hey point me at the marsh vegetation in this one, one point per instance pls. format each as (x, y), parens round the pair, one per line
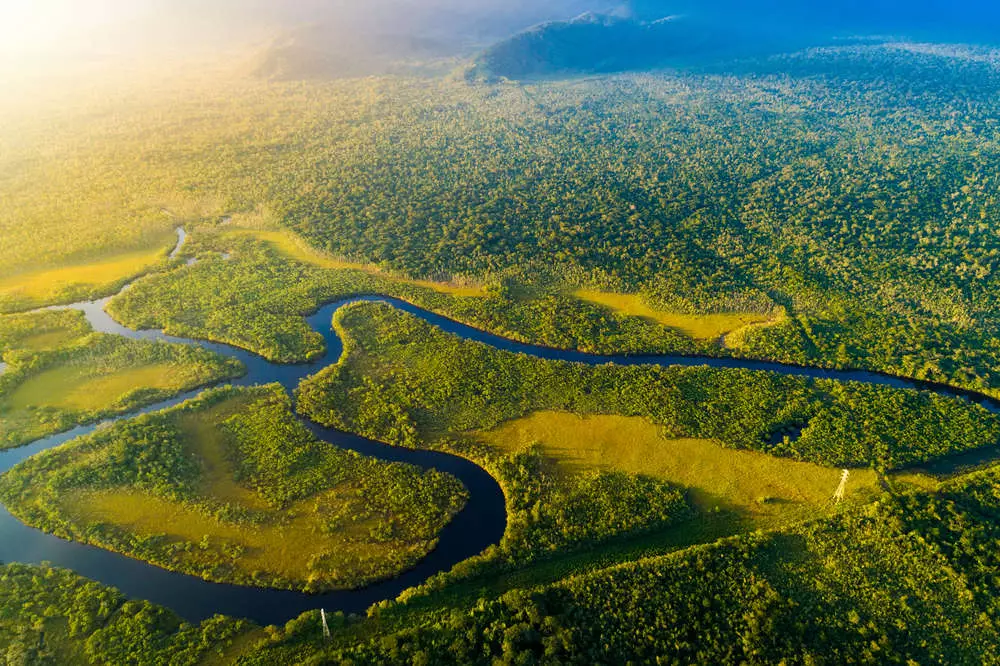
(232, 488)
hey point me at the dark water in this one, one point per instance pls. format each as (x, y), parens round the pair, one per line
(479, 525)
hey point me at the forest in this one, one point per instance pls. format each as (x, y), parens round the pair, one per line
(407, 383)
(823, 194)
(53, 617)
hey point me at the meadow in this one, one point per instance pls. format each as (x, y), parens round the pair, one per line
(291, 247)
(697, 326)
(232, 488)
(66, 284)
(765, 490)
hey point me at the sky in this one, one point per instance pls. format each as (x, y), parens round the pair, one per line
(34, 28)
(30, 29)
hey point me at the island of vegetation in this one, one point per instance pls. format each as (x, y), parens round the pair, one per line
(587, 453)
(232, 488)
(61, 374)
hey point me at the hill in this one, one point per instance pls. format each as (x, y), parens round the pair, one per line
(598, 43)
(326, 51)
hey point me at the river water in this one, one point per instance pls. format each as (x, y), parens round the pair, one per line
(481, 523)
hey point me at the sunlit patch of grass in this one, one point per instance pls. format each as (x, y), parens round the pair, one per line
(697, 326)
(204, 440)
(285, 544)
(49, 340)
(921, 481)
(49, 283)
(766, 489)
(89, 388)
(294, 248)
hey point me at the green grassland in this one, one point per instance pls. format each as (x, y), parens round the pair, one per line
(291, 247)
(231, 488)
(61, 374)
(66, 284)
(698, 326)
(765, 490)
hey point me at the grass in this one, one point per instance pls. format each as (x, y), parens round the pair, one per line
(49, 340)
(699, 326)
(204, 441)
(283, 546)
(49, 284)
(89, 388)
(292, 247)
(762, 488)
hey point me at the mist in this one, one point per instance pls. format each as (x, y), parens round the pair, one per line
(311, 38)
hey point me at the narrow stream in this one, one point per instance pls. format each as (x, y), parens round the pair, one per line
(481, 523)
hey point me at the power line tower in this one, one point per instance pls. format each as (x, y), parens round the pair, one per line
(326, 627)
(839, 495)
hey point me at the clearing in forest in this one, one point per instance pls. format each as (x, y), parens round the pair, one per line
(294, 248)
(697, 326)
(48, 284)
(88, 388)
(764, 488)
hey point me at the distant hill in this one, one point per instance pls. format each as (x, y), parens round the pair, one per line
(641, 34)
(617, 42)
(341, 39)
(322, 52)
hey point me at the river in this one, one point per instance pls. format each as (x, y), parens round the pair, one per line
(480, 524)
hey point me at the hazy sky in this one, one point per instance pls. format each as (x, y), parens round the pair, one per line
(29, 28)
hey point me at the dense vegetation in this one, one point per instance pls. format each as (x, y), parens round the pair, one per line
(849, 185)
(868, 586)
(60, 374)
(843, 196)
(403, 378)
(54, 617)
(256, 300)
(232, 488)
(41, 331)
(404, 382)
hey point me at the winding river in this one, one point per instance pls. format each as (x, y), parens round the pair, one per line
(481, 523)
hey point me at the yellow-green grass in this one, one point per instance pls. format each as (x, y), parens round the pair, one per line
(697, 326)
(282, 546)
(765, 489)
(87, 388)
(917, 480)
(206, 442)
(294, 248)
(49, 283)
(49, 340)
(287, 541)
